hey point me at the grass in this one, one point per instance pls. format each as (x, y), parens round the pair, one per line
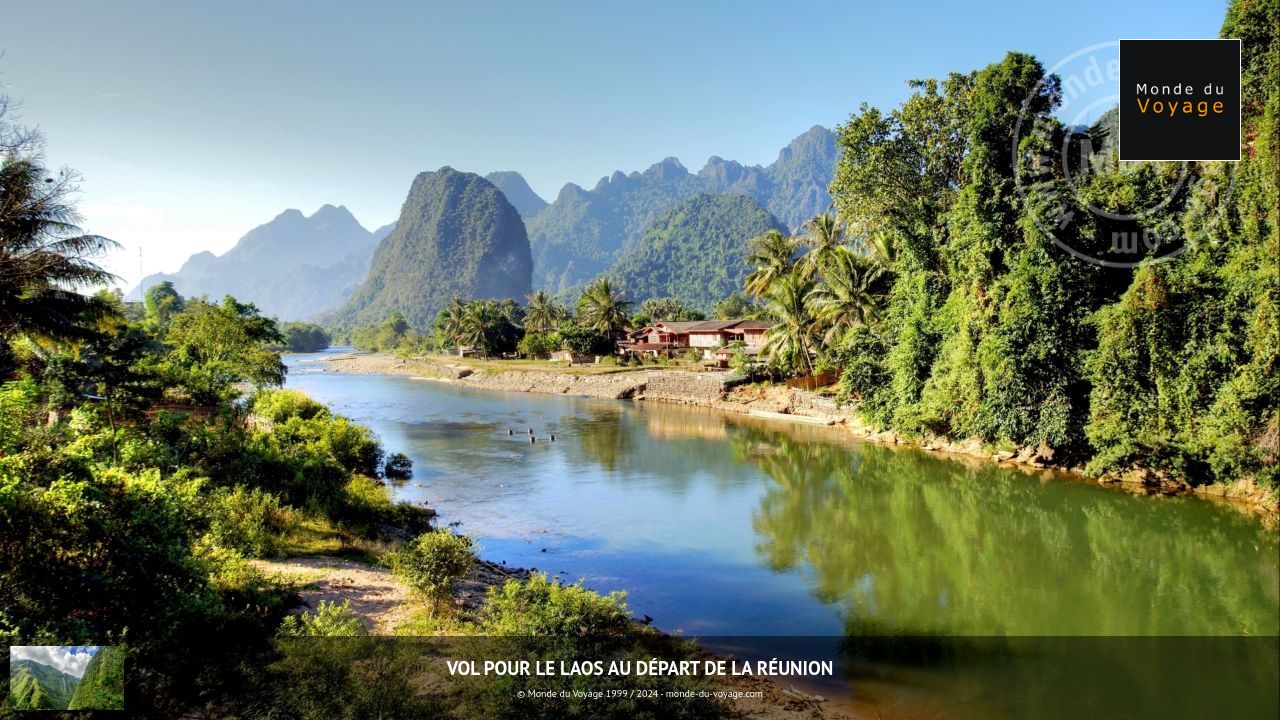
(319, 536)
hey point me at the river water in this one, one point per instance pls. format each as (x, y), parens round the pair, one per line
(936, 580)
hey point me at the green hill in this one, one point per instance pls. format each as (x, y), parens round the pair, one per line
(695, 252)
(102, 687)
(457, 235)
(36, 686)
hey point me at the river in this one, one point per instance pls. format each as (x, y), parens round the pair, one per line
(937, 581)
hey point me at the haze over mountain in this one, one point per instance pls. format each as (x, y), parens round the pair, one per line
(583, 231)
(457, 235)
(512, 184)
(293, 267)
(695, 252)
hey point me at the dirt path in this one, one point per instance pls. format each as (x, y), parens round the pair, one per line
(380, 600)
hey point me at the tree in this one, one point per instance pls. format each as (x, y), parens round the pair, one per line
(543, 314)
(773, 255)
(823, 235)
(789, 342)
(735, 307)
(162, 302)
(449, 321)
(602, 307)
(216, 346)
(44, 255)
(846, 297)
(485, 327)
(665, 308)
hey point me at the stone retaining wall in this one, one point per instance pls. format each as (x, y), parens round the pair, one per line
(617, 386)
(688, 388)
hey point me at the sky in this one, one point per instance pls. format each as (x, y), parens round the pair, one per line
(70, 659)
(191, 123)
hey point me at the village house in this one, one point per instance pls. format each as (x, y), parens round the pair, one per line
(710, 337)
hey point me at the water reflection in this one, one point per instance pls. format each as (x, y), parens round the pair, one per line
(906, 543)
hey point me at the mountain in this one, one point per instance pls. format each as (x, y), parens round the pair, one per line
(102, 687)
(293, 267)
(457, 235)
(696, 251)
(36, 686)
(583, 231)
(512, 184)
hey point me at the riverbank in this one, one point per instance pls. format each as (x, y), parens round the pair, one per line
(387, 607)
(776, 402)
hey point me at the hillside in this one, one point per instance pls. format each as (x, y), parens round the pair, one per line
(36, 686)
(512, 184)
(457, 235)
(293, 267)
(696, 251)
(583, 231)
(102, 687)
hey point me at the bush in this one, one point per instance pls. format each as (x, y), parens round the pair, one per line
(433, 562)
(280, 405)
(398, 466)
(543, 607)
(248, 520)
(536, 345)
(329, 620)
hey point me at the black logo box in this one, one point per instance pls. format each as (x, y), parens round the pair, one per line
(1177, 72)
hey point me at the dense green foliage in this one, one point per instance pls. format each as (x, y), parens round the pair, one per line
(984, 328)
(694, 251)
(102, 685)
(457, 236)
(584, 231)
(300, 337)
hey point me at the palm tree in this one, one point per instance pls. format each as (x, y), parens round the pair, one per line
(45, 256)
(602, 307)
(846, 296)
(450, 320)
(543, 313)
(481, 325)
(773, 255)
(793, 330)
(823, 234)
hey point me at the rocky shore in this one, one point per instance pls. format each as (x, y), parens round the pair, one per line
(709, 389)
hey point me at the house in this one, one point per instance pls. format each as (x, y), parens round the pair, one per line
(667, 338)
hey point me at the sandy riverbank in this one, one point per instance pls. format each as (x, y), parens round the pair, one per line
(765, 401)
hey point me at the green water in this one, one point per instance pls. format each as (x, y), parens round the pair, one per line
(916, 567)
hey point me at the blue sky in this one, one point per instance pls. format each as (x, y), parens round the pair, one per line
(193, 122)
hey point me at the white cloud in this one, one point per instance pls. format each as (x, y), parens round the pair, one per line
(70, 659)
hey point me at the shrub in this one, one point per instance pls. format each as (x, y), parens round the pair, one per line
(280, 405)
(398, 466)
(433, 562)
(543, 607)
(328, 620)
(248, 520)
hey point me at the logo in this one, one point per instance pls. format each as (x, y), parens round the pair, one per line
(1118, 213)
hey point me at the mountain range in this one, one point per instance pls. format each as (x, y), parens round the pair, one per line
(457, 235)
(324, 265)
(583, 231)
(36, 686)
(293, 267)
